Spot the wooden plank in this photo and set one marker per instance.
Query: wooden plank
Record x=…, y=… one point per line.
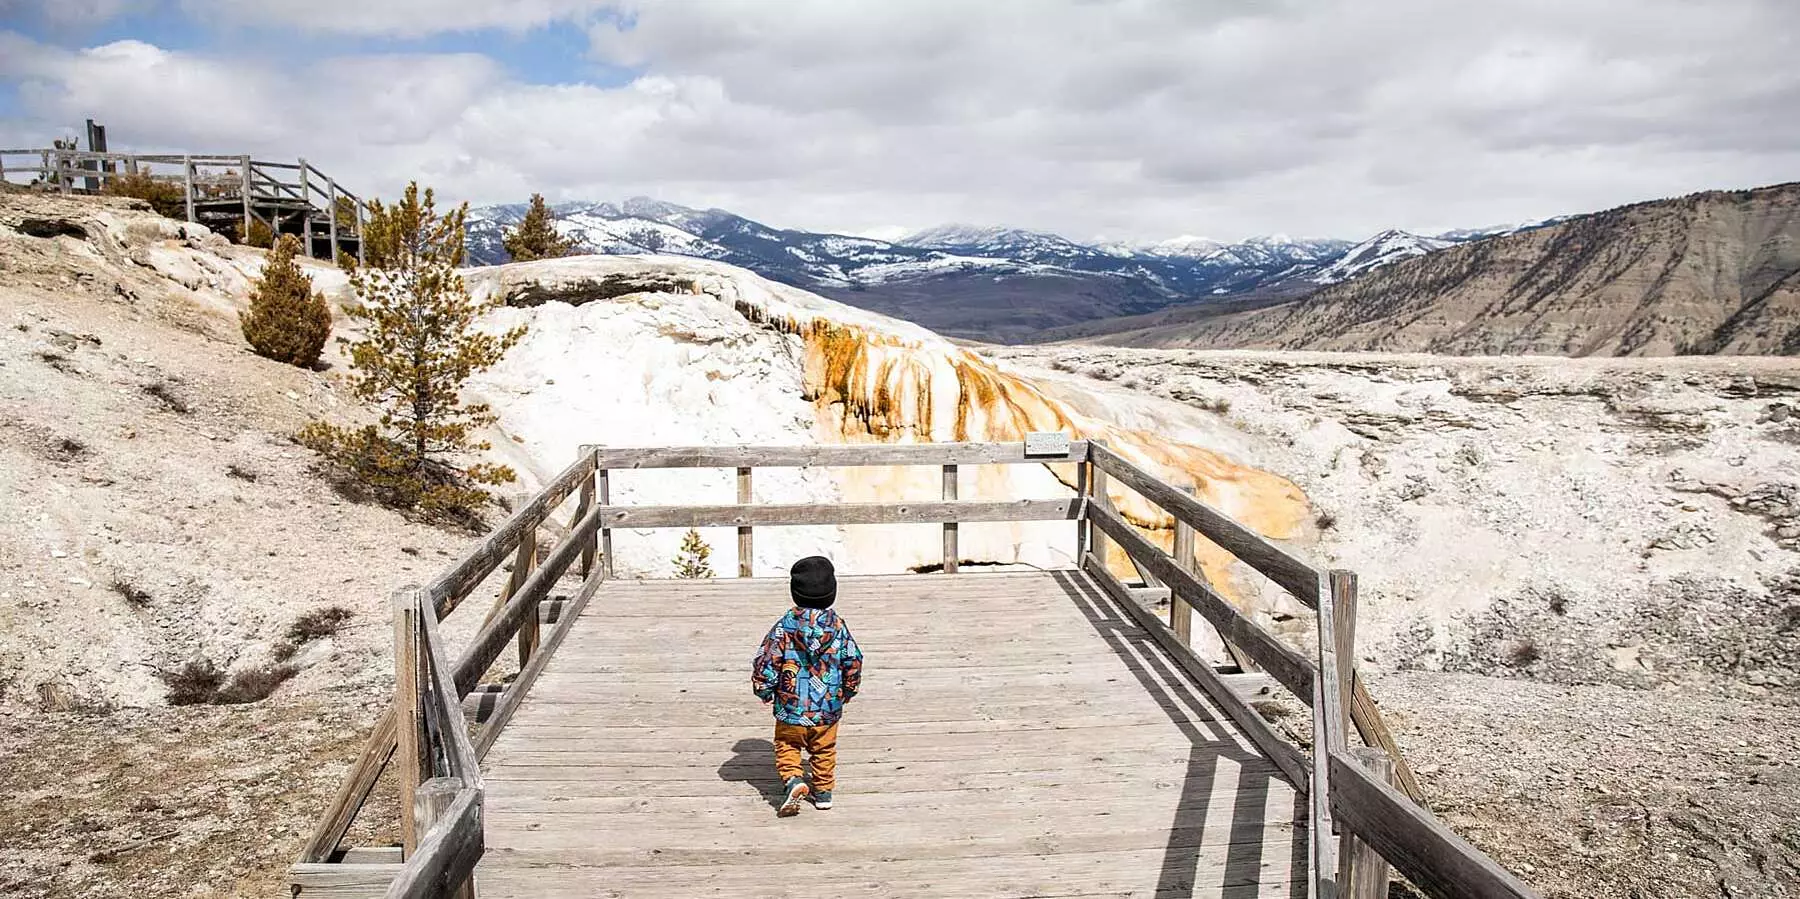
x=1279, y=751
x=244, y=176
x=950, y=548
x=829, y=455
x=1279, y=565
x=1417, y=844
x=1287, y=665
x=520, y=688
x=838, y=514
x=406, y=709
x=1082, y=492
x=449, y=589
x=1365, y=872
x=746, y=549
x=342, y=879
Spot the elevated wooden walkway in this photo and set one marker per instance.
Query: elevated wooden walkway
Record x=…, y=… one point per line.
x=225, y=193
x=1018, y=734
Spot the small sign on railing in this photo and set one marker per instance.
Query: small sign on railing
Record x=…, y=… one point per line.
x=1046, y=443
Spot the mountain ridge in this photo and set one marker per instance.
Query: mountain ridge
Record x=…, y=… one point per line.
x=974, y=282
x=1715, y=272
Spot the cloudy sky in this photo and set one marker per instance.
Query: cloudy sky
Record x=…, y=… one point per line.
x=1122, y=119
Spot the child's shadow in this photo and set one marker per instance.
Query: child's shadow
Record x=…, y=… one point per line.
x=753, y=762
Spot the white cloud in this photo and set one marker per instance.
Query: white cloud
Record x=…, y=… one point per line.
x=1132, y=118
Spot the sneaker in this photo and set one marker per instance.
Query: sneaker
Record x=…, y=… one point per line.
x=821, y=799
x=796, y=793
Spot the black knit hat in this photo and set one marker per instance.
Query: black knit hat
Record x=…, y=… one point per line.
x=813, y=583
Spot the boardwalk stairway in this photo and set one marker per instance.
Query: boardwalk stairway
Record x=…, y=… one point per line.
x=1034, y=733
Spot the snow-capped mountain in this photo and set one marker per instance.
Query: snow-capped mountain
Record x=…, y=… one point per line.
x=966, y=280
x=1382, y=249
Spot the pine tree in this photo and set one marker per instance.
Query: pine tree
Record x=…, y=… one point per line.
x=535, y=236
x=695, y=558
x=287, y=321
x=419, y=347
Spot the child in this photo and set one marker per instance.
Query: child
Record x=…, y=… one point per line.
x=808, y=667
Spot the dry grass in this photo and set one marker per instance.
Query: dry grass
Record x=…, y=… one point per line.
x=164, y=392
x=254, y=684
x=134, y=596
x=195, y=684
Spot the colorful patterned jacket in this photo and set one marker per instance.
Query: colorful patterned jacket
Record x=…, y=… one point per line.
x=809, y=666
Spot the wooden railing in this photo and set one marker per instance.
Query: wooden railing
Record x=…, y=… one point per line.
x=1376, y=823
x=293, y=196
x=1347, y=789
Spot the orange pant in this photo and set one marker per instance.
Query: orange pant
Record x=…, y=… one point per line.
x=819, y=742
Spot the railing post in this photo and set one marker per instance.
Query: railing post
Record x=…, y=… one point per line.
x=362, y=256
x=1181, y=615
x=524, y=563
x=187, y=184
x=306, y=214
x=331, y=198
x=746, y=550
x=590, y=543
x=407, y=720
x=606, y=551
x=1331, y=722
x=1365, y=871
x=1082, y=467
x=432, y=800
x=951, y=550
x=1098, y=497
x=244, y=179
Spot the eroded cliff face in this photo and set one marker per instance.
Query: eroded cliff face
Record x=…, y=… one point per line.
x=862, y=378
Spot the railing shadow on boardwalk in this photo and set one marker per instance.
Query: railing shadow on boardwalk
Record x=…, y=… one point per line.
x=1184, y=706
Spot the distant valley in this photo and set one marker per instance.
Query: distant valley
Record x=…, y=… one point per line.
x=1003, y=285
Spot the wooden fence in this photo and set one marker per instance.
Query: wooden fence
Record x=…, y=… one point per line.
x=226, y=192
x=1359, y=822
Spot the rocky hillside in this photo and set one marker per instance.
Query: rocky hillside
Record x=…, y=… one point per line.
x=1714, y=272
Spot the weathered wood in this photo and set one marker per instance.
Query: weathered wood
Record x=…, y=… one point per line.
x=364, y=880
x=1284, y=755
x=1329, y=716
x=591, y=546
x=614, y=781
x=331, y=202
x=606, y=545
x=1365, y=872
x=244, y=175
x=431, y=806
x=951, y=551
x=1181, y=615
x=509, y=701
x=187, y=185
x=306, y=219
x=1099, y=500
x=829, y=455
x=1288, y=666
x=1276, y=563
x=449, y=589
x=841, y=513
x=406, y=709
x=746, y=549
x=447, y=856
x=1415, y=842
x=1082, y=492
x=491, y=640
x=446, y=694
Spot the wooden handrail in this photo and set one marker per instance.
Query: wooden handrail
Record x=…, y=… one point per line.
x=834, y=455
x=449, y=589
x=799, y=514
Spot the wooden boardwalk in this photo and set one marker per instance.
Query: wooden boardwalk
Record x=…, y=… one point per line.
x=1017, y=735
